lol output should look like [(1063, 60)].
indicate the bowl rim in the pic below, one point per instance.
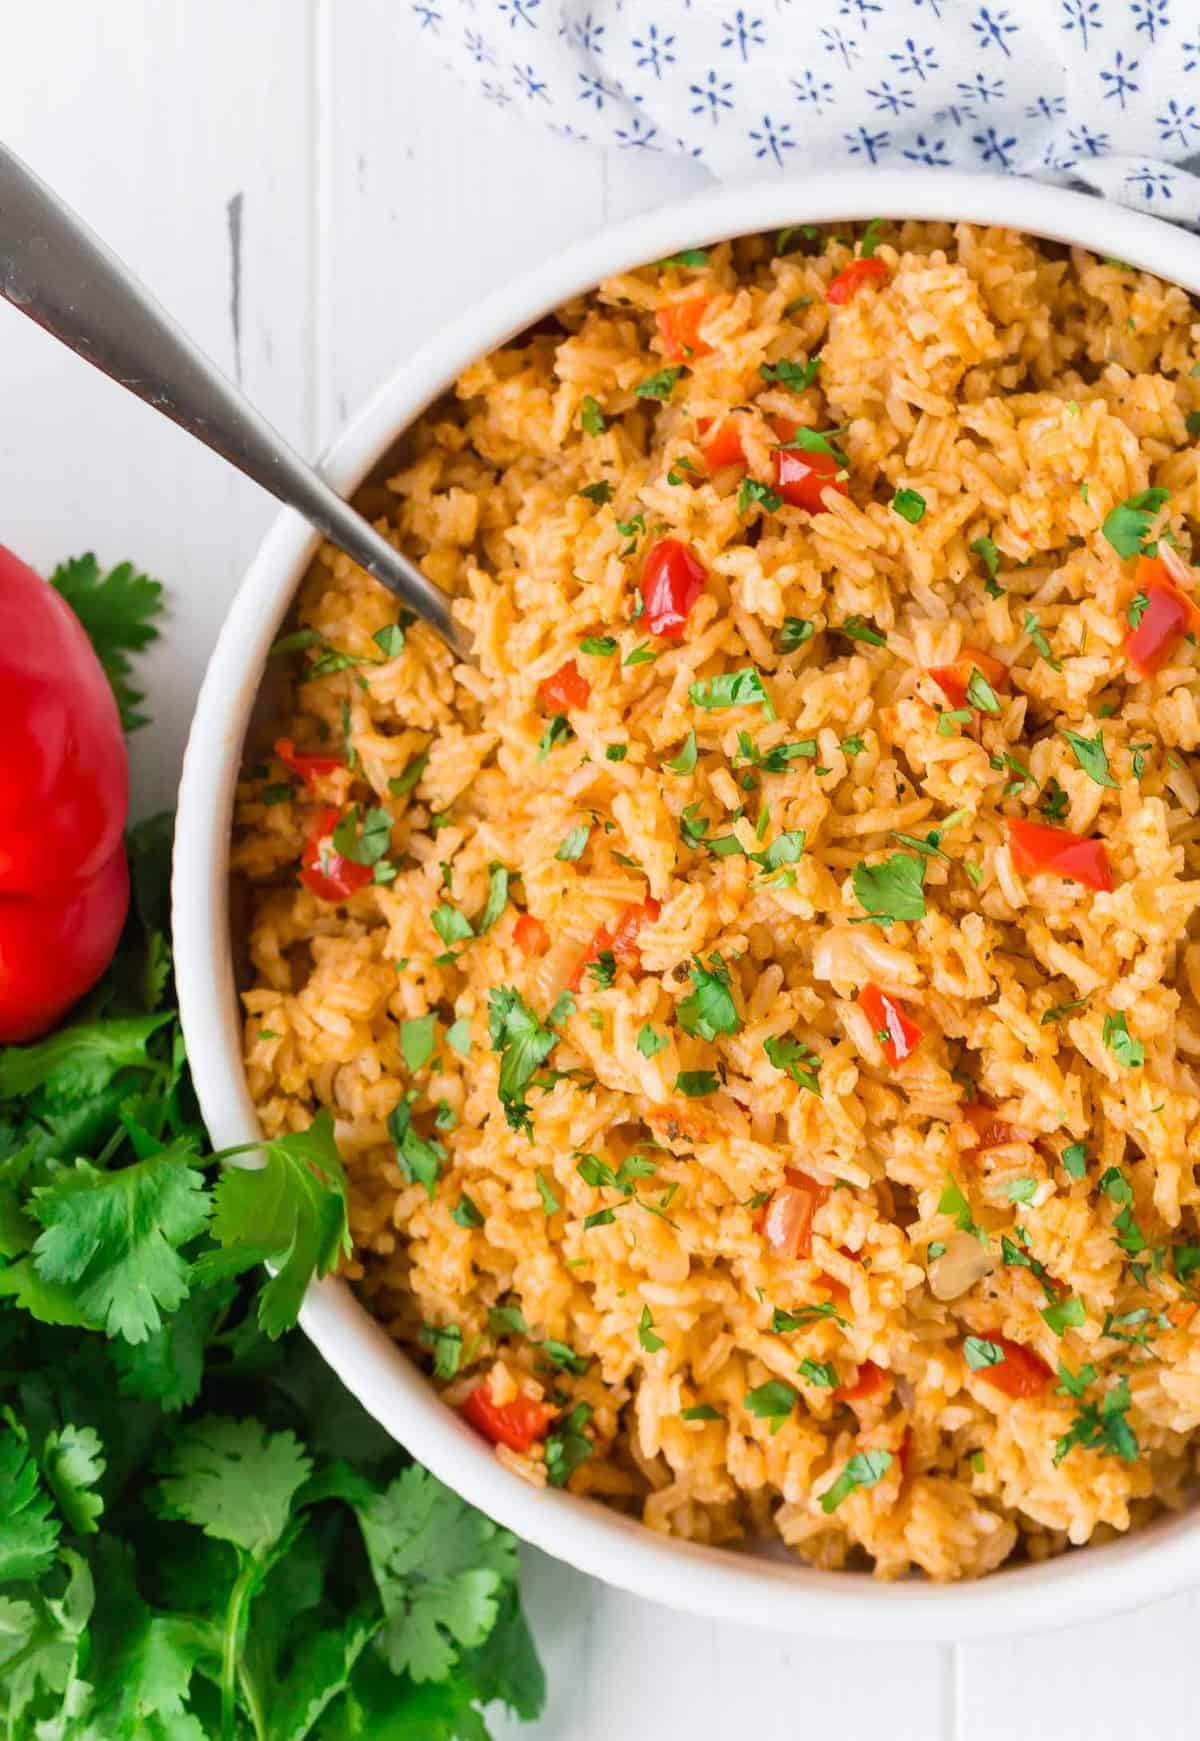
[(717, 1583)]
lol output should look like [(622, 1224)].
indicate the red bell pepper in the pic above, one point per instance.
[(323, 869), (788, 1217), (565, 689), (722, 446), (304, 765), (953, 680), (1021, 1373), (1168, 614), (1035, 846), (672, 580), (64, 798), (679, 327), (530, 935), (519, 1424), (621, 940), (849, 282), (900, 1037)]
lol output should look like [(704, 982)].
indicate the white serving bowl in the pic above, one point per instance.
[(750, 1587)]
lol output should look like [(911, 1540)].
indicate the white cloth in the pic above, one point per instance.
[(1100, 92)]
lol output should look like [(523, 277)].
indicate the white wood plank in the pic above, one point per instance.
[(621, 1667), (434, 195), (151, 116), (1130, 1676)]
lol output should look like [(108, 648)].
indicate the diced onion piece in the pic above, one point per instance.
[(963, 1264)]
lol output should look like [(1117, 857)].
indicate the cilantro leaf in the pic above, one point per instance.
[(591, 417), (649, 1041), (646, 1335), (291, 1212), (523, 1043), (1124, 1047), (420, 1161), (797, 376), (863, 1470), (709, 1010), (72, 1463), (569, 1445), (695, 1084), (891, 891), (660, 385), (772, 1401), (800, 1062), (1092, 758), (731, 689), (118, 611), (910, 505), (114, 1237), (1127, 526), (29, 1538), (685, 761), (79, 1061), (234, 1480), (981, 1353)]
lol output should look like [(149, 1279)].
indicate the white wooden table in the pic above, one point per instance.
[(311, 198)]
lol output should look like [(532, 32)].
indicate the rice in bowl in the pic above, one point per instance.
[(745, 1121)]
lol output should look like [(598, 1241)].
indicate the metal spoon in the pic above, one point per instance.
[(58, 272)]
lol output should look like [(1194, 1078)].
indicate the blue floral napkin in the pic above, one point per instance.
[(1100, 92)]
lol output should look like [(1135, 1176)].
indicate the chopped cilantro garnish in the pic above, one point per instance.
[(1127, 526), (799, 1061), (646, 1336), (573, 844), (365, 844), (1136, 609), (598, 646), (466, 1212), (1121, 1043), (953, 1201), (558, 730), (709, 1009), (660, 385), (1074, 1159), (446, 1342), (741, 688), (987, 553), (797, 376), (417, 1040), (569, 1446), (891, 891), (981, 1353), (685, 761), (822, 1373), (701, 1411), (616, 752), (550, 1203), (980, 693), (451, 925), (600, 493), (863, 1470), (793, 634), (1065, 1315), (1100, 1426), (772, 1401), (523, 1044), (650, 1042), (910, 506), (782, 1323), (858, 629), (642, 655), (695, 1084), (1039, 640), (1092, 757), (591, 417), (754, 490)]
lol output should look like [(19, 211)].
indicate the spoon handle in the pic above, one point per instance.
[(58, 272)]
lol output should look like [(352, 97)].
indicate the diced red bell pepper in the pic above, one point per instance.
[(867, 1381), (1035, 846), (887, 1017), (724, 446), (565, 689), (788, 1216), (519, 1424), (679, 326), (801, 475), (1168, 615), (622, 939), (530, 935), (953, 680), (1021, 1373), (672, 580), (855, 275), (324, 870), (64, 793), (306, 767)]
